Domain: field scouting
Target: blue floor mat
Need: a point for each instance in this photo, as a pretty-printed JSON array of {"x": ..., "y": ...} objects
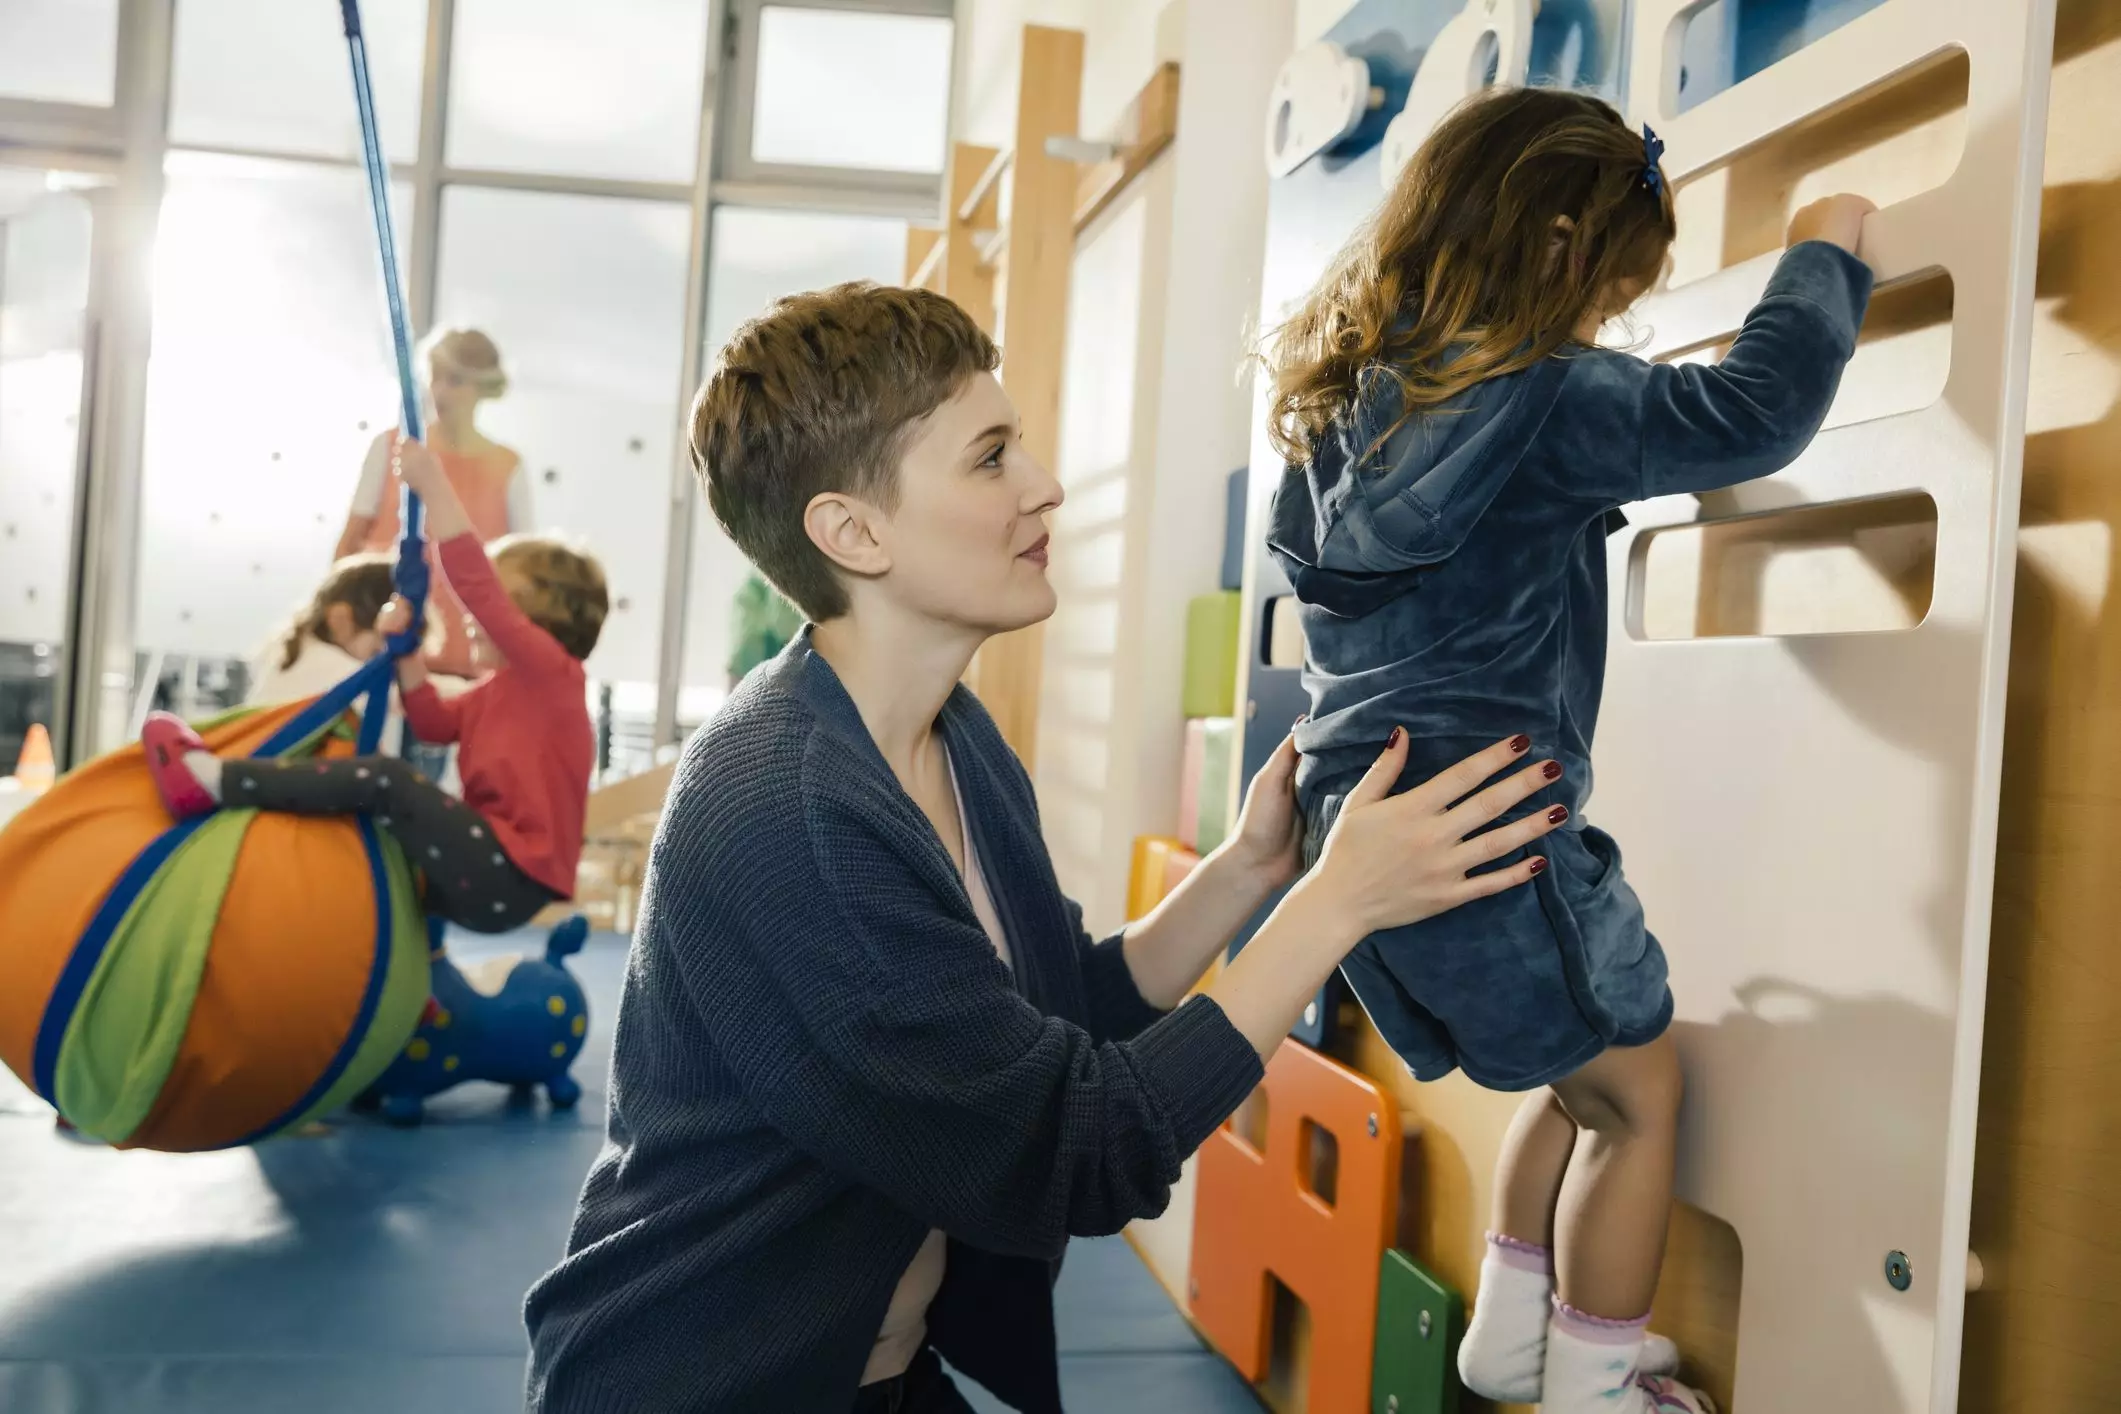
[{"x": 381, "y": 1269}]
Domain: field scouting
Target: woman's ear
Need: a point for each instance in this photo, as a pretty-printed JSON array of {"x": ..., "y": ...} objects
[{"x": 845, "y": 532}]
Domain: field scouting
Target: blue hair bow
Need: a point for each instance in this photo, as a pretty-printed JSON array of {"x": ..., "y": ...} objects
[{"x": 1652, "y": 150}]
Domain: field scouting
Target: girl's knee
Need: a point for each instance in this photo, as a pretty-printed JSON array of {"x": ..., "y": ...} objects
[{"x": 1629, "y": 1091}]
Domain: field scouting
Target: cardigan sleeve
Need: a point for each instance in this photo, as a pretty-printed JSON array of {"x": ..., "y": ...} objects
[
  {"x": 879, "y": 1033},
  {"x": 1117, "y": 1010}
]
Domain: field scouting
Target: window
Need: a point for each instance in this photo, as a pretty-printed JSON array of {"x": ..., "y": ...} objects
[
  {"x": 585, "y": 297},
  {"x": 44, "y": 259},
  {"x": 270, "y": 374},
  {"x": 274, "y": 76},
  {"x": 606, "y": 90},
  {"x": 61, "y": 51},
  {"x": 849, "y": 88},
  {"x": 757, "y": 257}
]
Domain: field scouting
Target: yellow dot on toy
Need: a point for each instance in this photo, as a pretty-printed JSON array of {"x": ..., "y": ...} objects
[
  {"x": 556, "y": 1005},
  {"x": 559, "y": 1049},
  {"x": 441, "y": 1019},
  {"x": 581, "y": 1024},
  {"x": 449, "y": 1062},
  {"x": 417, "y": 1050}
]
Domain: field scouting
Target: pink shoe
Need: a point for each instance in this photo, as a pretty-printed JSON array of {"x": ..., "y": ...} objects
[{"x": 166, "y": 739}]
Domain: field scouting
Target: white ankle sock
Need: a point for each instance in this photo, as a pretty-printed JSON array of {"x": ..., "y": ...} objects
[
  {"x": 1594, "y": 1366},
  {"x": 205, "y": 768},
  {"x": 1505, "y": 1348}
]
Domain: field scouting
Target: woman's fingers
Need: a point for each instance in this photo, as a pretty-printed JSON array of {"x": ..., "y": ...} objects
[
  {"x": 1501, "y": 798},
  {"x": 1501, "y": 880},
  {"x": 1383, "y": 774},
  {"x": 1436, "y": 794},
  {"x": 1508, "y": 839}
]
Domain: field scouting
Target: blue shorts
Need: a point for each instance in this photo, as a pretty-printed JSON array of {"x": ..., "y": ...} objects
[{"x": 1521, "y": 989}]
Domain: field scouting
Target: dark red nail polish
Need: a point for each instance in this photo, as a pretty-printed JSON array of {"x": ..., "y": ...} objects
[
  {"x": 1558, "y": 814},
  {"x": 1552, "y": 770},
  {"x": 1539, "y": 866},
  {"x": 1520, "y": 744},
  {"x": 1398, "y": 734}
]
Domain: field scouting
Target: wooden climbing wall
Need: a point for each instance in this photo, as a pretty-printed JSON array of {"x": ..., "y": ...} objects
[{"x": 2037, "y": 1335}]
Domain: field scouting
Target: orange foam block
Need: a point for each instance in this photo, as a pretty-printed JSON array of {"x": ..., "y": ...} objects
[
  {"x": 1256, "y": 1217},
  {"x": 1160, "y": 865}
]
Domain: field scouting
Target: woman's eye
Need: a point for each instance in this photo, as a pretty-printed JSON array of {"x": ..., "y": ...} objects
[{"x": 994, "y": 456}]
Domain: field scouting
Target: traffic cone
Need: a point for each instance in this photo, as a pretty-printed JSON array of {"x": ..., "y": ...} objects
[{"x": 33, "y": 768}]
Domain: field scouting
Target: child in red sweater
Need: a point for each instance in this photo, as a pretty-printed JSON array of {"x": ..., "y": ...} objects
[{"x": 525, "y": 746}]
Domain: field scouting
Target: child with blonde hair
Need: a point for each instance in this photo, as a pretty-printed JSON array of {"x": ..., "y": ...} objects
[{"x": 1458, "y": 444}]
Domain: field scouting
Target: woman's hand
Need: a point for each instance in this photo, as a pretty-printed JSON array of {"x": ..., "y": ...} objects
[
  {"x": 395, "y": 618},
  {"x": 1837, "y": 220},
  {"x": 422, "y": 470},
  {"x": 1394, "y": 860},
  {"x": 420, "y": 467},
  {"x": 1269, "y": 839}
]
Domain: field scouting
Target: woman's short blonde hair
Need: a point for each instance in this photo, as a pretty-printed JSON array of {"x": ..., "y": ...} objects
[
  {"x": 563, "y": 590},
  {"x": 469, "y": 354}
]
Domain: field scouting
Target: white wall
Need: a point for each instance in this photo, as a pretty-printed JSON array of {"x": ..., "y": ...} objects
[
  {"x": 1120, "y": 49},
  {"x": 1155, "y": 415},
  {"x": 1315, "y": 17}
]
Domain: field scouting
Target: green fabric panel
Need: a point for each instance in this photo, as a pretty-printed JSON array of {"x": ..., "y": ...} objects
[
  {"x": 125, "y": 1034},
  {"x": 1212, "y": 633},
  {"x": 406, "y": 987}
]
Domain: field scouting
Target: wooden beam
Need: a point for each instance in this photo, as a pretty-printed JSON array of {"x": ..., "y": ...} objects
[
  {"x": 1033, "y": 323},
  {"x": 1145, "y": 129},
  {"x": 990, "y": 176},
  {"x": 922, "y": 243},
  {"x": 971, "y": 210}
]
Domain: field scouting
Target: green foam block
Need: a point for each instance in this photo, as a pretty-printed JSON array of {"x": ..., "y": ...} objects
[
  {"x": 1419, "y": 1322},
  {"x": 1212, "y": 635}
]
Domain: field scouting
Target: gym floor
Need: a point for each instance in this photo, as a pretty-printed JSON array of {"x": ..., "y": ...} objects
[{"x": 374, "y": 1268}]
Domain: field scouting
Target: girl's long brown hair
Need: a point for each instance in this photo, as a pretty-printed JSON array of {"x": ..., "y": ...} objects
[
  {"x": 1469, "y": 269},
  {"x": 360, "y": 582}
]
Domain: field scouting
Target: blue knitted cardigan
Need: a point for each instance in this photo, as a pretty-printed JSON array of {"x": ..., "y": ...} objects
[{"x": 819, "y": 1057}]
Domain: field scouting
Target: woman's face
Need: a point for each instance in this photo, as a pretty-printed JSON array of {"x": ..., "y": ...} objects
[
  {"x": 452, "y": 392},
  {"x": 966, "y": 544}
]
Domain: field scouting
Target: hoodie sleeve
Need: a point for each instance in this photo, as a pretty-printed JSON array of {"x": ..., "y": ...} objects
[{"x": 1693, "y": 428}]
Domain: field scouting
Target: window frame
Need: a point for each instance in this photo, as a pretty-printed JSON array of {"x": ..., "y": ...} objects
[{"x": 742, "y": 179}]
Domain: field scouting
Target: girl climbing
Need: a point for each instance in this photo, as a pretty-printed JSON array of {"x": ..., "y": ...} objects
[
  {"x": 525, "y": 745},
  {"x": 1458, "y": 446}
]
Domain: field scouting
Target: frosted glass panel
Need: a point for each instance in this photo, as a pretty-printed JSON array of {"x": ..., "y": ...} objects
[
  {"x": 840, "y": 88},
  {"x": 757, "y": 257},
  {"x": 273, "y": 75},
  {"x": 604, "y": 90},
  {"x": 62, "y": 51},
  {"x": 44, "y": 258},
  {"x": 271, "y": 372},
  {"x": 586, "y": 298}
]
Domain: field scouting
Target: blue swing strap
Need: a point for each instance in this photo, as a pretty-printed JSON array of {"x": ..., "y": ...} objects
[{"x": 373, "y": 680}]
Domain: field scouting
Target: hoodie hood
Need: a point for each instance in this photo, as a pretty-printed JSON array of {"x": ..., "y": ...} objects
[{"x": 1353, "y": 534}]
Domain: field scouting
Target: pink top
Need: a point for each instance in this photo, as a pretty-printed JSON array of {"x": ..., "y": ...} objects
[
  {"x": 483, "y": 487},
  {"x": 525, "y": 746}
]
